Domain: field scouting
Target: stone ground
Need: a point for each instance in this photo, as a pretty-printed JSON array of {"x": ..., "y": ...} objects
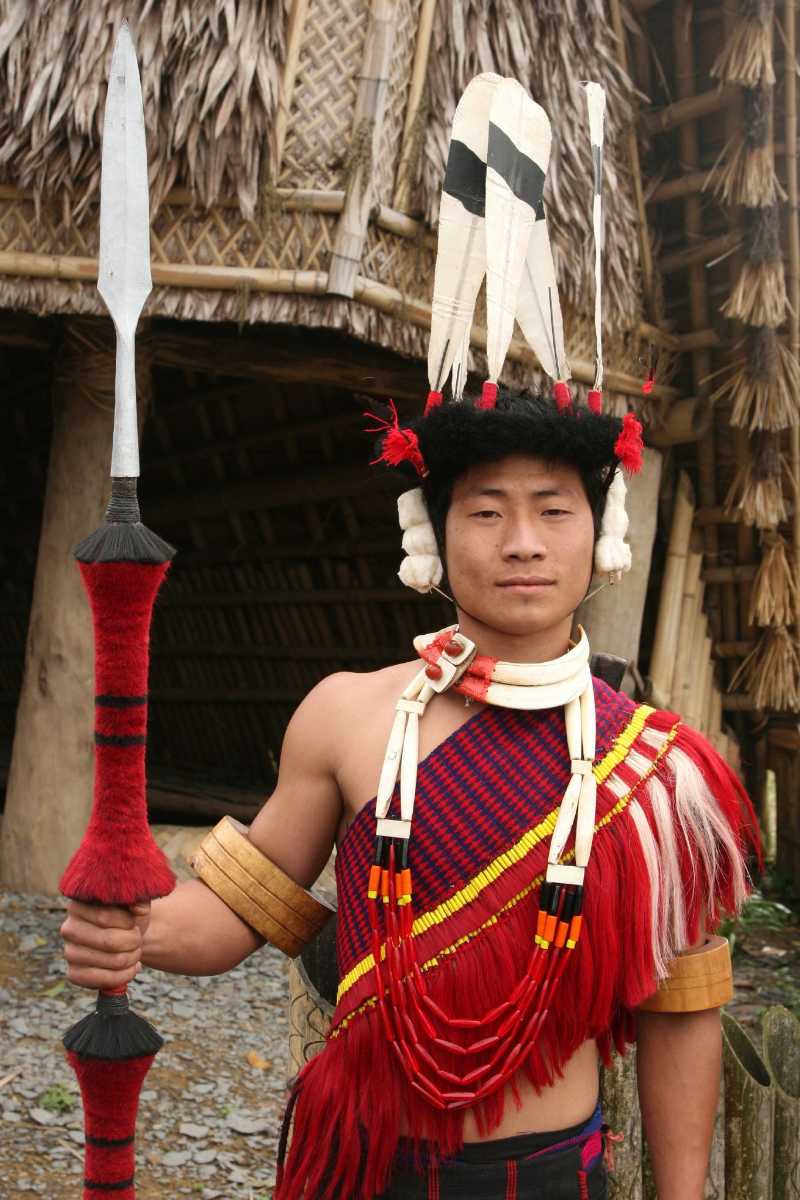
[{"x": 213, "y": 1101}]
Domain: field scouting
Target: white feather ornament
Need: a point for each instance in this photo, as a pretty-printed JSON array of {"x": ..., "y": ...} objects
[
  {"x": 596, "y": 102},
  {"x": 461, "y": 248},
  {"x": 538, "y": 305},
  {"x": 516, "y": 164},
  {"x": 612, "y": 554}
]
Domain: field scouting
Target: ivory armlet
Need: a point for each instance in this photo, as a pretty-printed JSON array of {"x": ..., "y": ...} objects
[
  {"x": 258, "y": 891},
  {"x": 697, "y": 981}
]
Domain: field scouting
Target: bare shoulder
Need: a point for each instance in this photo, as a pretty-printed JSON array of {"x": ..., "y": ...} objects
[{"x": 341, "y": 695}]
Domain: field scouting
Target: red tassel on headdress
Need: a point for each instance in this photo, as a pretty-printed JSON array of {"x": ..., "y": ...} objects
[
  {"x": 399, "y": 445},
  {"x": 595, "y": 400},
  {"x": 433, "y": 401},
  {"x": 562, "y": 396},
  {"x": 488, "y": 395},
  {"x": 629, "y": 445}
]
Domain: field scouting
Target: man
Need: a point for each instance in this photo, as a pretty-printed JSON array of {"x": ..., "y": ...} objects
[{"x": 472, "y": 1009}]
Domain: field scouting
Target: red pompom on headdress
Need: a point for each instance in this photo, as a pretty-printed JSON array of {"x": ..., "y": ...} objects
[
  {"x": 595, "y": 401},
  {"x": 629, "y": 445},
  {"x": 433, "y": 401},
  {"x": 488, "y": 397},
  {"x": 562, "y": 395},
  {"x": 399, "y": 445}
]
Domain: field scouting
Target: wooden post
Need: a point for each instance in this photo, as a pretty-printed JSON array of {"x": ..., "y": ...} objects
[
  {"x": 50, "y": 778},
  {"x": 665, "y": 645},
  {"x": 793, "y": 265},
  {"x": 782, "y": 1056},
  {"x": 411, "y": 132},
  {"x": 613, "y": 618},
  {"x": 620, "y": 1101},
  {"x": 690, "y": 612},
  {"x": 364, "y": 145},
  {"x": 748, "y": 1116}
]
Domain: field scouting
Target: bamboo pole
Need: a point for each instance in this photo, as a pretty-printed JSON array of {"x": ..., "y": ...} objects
[
  {"x": 691, "y": 711},
  {"x": 793, "y": 271},
  {"x": 416, "y": 89},
  {"x": 310, "y": 283},
  {"x": 294, "y": 41},
  {"x": 699, "y": 254},
  {"x": 662, "y": 661},
  {"x": 684, "y": 421},
  {"x": 687, "y": 108},
  {"x": 782, "y": 1057},
  {"x": 690, "y": 184},
  {"x": 748, "y": 1116},
  {"x": 351, "y": 231},
  {"x": 689, "y": 615}
]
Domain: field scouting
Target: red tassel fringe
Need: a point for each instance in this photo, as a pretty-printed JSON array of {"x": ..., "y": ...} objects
[
  {"x": 488, "y": 395},
  {"x": 595, "y": 401},
  {"x": 399, "y": 445},
  {"x": 352, "y": 1096},
  {"x": 629, "y": 446}
]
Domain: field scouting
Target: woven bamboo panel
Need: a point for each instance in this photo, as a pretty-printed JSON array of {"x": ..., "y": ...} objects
[
  {"x": 220, "y": 237},
  {"x": 321, "y": 116},
  {"x": 398, "y": 262},
  {"x": 23, "y": 231},
  {"x": 404, "y": 41}
]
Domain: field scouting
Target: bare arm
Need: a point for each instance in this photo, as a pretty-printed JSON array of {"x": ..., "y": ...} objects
[
  {"x": 678, "y": 1060},
  {"x": 191, "y": 931}
]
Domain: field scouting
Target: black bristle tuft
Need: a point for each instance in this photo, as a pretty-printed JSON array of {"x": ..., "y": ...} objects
[
  {"x": 112, "y": 1032},
  {"x": 122, "y": 537}
]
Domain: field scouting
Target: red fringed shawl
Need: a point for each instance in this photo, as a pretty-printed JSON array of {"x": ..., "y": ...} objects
[{"x": 673, "y": 827}]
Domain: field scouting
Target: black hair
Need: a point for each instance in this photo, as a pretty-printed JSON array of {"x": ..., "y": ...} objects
[{"x": 457, "y": 436}]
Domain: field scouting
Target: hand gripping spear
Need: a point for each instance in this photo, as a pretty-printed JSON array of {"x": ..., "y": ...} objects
[{"x": 122, "y": 565}]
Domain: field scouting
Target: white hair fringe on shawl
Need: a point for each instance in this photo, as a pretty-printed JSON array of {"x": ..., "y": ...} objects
[{"x": 422, "y": 569}]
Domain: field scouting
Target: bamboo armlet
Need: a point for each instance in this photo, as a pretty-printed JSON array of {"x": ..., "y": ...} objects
[
  {"x": 697, "y": 981},
  {"x": 258, "y": 891}
]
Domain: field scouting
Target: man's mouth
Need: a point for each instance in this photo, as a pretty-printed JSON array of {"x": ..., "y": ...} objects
[{"x": 526, "y": 583}]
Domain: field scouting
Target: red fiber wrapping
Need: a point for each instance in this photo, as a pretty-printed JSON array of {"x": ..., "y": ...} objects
[{"x": 110, "y": 1092}]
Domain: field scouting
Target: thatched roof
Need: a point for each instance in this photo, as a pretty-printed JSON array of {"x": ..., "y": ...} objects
[{"x": 212, "y": 79}]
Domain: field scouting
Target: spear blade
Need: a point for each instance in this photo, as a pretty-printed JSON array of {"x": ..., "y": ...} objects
[{"x": 124, "y": 280}]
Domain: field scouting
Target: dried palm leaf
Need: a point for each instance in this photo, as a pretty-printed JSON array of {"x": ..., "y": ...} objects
[
  {"x": 746, "y": 57},
  {"x": 773, "y": 600},
  {"x": 748, "y": 176},
  {"x": 757, "y": 491},
  {"x": 763, "y": 385},
  {"x": 771, "y": 671},
  {"x": 759, "y": 295}
]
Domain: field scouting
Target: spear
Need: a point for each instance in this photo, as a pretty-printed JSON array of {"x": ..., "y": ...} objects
[{"x": 123, "y": 565}]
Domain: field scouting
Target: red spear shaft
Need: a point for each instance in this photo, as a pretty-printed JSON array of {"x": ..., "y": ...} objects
[{"x": 123, "y": 565}]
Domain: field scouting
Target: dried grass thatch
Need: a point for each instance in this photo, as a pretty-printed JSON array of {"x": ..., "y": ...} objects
[
  {"x": 748, "y": 175},
  {"x": 746, "y": 57},
  {"x": 773, "y": 600},
  {"x": 771, "y": 671},
  {"x": 549, "y": 46},
  {"x": 763, "y": 385},
  {"x": 757, "y": 491},
  {"x": 759, "y": 295},
  {"x": 210, "y": 76}
]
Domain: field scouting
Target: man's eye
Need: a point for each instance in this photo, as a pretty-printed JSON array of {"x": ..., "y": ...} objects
[
  {"x": 556, "y": 512},
  {"x": 486, "y": 512}
]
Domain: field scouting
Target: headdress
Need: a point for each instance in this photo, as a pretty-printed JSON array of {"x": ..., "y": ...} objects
[{"x": 493, "y": 227}]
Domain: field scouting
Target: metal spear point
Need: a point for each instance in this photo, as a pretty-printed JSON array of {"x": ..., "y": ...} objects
[{"x": 124, "y": 280}]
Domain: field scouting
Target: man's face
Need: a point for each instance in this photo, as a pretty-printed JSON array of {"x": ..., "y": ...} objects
[{"x": 519, "y": 542}]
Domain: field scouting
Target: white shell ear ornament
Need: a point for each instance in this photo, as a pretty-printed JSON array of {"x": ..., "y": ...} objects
[
  {"x": 612, "y": 554},
  {"x": 421, "y": 569}
]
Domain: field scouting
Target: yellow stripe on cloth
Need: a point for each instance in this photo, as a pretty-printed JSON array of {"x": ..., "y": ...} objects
[{"x": 509, "y": 858}]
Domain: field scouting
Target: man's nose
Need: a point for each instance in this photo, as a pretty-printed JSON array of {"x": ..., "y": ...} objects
[{"x": 524, "y": 541}]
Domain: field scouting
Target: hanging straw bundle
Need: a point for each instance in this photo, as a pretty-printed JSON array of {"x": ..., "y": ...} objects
[
  {"x": 749, "y": 175},
  {"x": 771, "y": 671},
  {"x": 757, "y": 490},
  {"x": 759, "y": 297},
  {"x": 773, "y": 600},
  {"x": 763, "y": 384},
  {"x": 746, "y": 57}
]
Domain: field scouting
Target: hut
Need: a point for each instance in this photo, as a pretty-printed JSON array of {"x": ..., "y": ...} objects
[{"x": 296, "y": 154}]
